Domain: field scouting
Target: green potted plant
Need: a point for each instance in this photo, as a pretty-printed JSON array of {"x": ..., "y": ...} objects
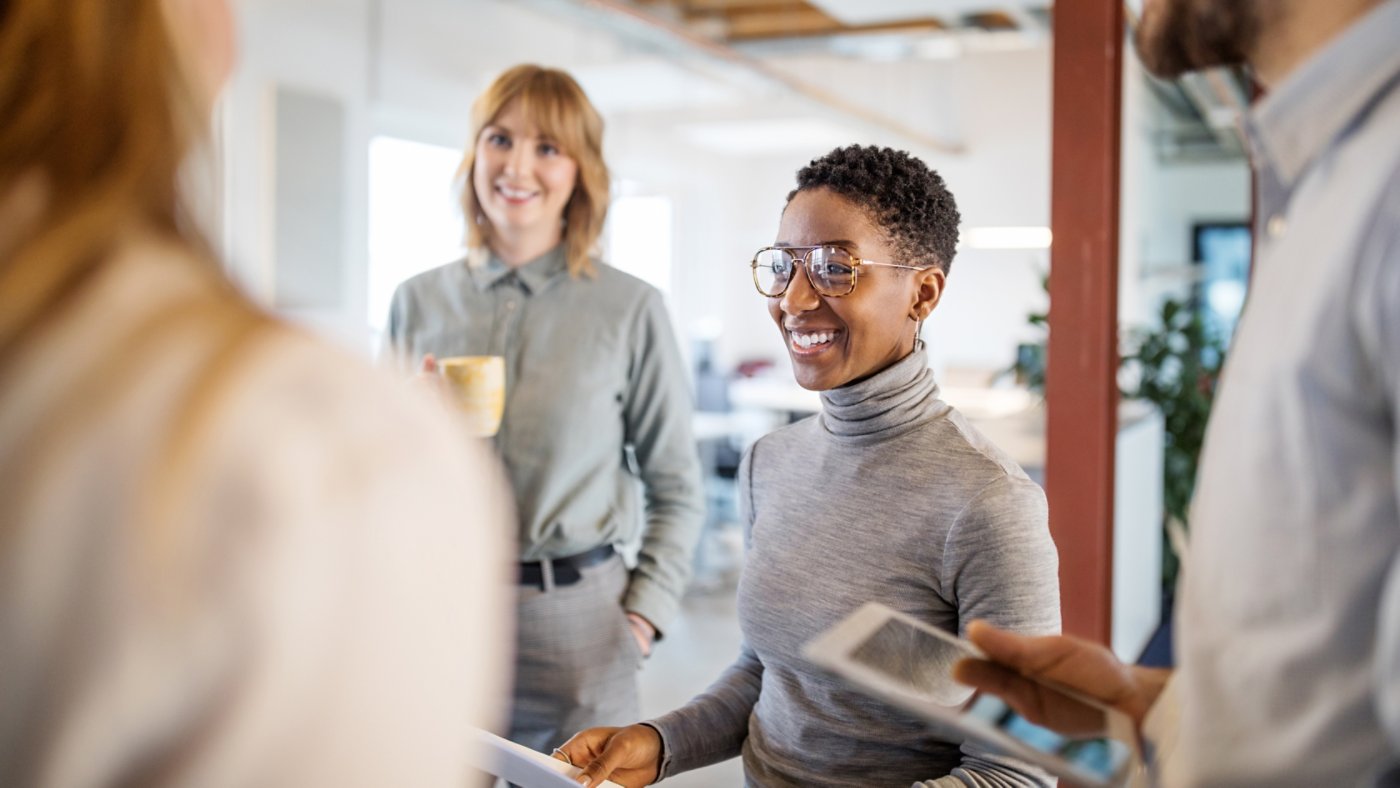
[{"x": 1175, "y": 365}]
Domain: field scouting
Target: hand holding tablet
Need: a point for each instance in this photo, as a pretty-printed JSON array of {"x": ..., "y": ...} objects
[
  {"x": 523, "y": 766},
  {"x": 910, "y": 664}
]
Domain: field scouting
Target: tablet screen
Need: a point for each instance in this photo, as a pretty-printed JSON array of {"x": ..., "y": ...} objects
[
  {"x": 922, "y": 662},
  {"x": 1098, "y": 755},
  {"x": 916, "y": 658}
]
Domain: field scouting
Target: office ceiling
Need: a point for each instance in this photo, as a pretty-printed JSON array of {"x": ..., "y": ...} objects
[{"x": 743, "y": 21}]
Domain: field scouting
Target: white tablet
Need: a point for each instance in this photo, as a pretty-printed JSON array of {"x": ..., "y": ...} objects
[
  {"x": 909, "y": 663},
  {"x": 523, "y": 766}
]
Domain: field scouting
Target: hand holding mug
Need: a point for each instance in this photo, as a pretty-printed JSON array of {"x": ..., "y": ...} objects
[{"x": 475, "y": 386}]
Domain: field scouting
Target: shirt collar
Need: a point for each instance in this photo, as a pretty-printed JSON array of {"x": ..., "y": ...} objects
[
  {"x": 487, "y": 270},
  {"x": 1327, "y": 95}
]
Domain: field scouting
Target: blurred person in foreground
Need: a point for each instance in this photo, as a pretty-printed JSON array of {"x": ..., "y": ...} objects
[
  {"x": 1288, "y": 617},
  {"x": 597, "y": 404},
  {"x": 229, "y": 555}
]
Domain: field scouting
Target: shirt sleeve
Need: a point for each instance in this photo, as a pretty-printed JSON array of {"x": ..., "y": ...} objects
[
  {"x": 712, "y": 727},
  {"x": 657, "y": 420},
  {"x": 1378, "y": 326},
  {"x": 1000, "y": 565}
]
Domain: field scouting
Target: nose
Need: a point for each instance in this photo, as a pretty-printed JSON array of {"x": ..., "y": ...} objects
[
  {"x": 800, "y": 296},
  {"x": 517, "y": 160}
]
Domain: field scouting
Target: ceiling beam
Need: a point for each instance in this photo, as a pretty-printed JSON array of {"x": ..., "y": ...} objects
[
  {"x": 742, "y": 29},
  {"x": 677, "y": 32},
  {"x": 721, "y": 6}
]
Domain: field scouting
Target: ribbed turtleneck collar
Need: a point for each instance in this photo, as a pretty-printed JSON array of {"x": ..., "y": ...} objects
[{"x": 885, "y": 405}]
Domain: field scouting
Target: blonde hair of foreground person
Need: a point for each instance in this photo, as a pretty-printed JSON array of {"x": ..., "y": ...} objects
[
  {"x": 229, "y": 555},
  {"x": 556, "y": 103}
]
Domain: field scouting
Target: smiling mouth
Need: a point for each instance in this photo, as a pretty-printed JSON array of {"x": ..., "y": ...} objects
[
  {"x": 810, "y": 343},
  {"x": 515, "y": 196}
]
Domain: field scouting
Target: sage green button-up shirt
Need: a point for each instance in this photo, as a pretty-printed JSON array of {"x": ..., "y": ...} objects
[{"x": 592, "y": 370}]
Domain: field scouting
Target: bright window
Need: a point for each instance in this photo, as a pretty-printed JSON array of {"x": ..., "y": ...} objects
[
  {"x": 639, "y": 239},
  {"x": 415, "y": 219}
]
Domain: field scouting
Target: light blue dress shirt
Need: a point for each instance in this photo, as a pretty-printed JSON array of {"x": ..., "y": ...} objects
[{"x": 1288, "y": 624}]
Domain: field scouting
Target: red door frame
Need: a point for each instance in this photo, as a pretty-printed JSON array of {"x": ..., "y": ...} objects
[{"x": 1082, "y": 357}]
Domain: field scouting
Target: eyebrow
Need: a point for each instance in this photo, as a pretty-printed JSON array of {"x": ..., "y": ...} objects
[
  {"x": 514, "y": 132},
  {"x": 846, "y": 242}
]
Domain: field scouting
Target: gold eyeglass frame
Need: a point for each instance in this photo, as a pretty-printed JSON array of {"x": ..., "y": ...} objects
[{"x": 856, "y": 264}]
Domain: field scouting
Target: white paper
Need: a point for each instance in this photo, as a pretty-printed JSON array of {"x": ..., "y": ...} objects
[{"x": 523, "y": 766}]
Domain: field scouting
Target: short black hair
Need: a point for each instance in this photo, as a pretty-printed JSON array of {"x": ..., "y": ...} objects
[{"x": 900, "y": 193}]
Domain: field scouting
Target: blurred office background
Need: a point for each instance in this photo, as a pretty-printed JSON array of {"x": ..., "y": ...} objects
[{"x": 341, "y": 132}]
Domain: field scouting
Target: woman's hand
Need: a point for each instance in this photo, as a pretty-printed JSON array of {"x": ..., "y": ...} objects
[
  {"x": 643, "y": 631},
  {"x": 628, "y": 756},
  {"x": 1069, "y": 662},
  {"x": 428, "y": 367},
  {"x": 427, "y": 377}
]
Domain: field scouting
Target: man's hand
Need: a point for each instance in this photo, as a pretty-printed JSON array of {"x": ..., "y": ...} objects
[
  {"x": 643, "y": 631},
  {"x": 1069, "y": 662},
  {"x": 630, "y": 757}
]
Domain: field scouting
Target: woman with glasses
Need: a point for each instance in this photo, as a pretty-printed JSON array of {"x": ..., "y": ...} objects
[
  {"x": 593, "y": 374},
  {"x": 888, "y": 495},
  {"x": 225, "y": 555}
]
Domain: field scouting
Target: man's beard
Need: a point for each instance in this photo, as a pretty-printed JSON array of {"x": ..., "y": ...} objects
[{"x": 1176, "y": 36}]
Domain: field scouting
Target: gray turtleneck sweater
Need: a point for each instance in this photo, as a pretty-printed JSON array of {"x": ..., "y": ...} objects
[{"x": 887, "y": 495}]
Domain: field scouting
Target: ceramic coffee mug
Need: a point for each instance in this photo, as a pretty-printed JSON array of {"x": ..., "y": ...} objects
[{"x": 477, "y": 386}]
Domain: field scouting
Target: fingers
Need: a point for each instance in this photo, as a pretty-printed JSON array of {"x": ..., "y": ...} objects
[
  {"x": 584, "y": 745},
  {"x": 631, "y": 756},
  {"x": 1038, "y": 703},
  {"x": 596, "y": 772},
  {"x": 999, "y": 645},
  {"x": 643, "y": 632},
  {"x": 1019, "y": 692},
  {"x": 1062, "y": 658}
]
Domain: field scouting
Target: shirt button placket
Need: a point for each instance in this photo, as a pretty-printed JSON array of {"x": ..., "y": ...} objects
[
  {"x": 503, "y": 331},
  {"x": 511, "y": 310}
]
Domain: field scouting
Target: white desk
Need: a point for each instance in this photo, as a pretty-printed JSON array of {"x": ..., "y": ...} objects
[{"x": 773, "y": 393}]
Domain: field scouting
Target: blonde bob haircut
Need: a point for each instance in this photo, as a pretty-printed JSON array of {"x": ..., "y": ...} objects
[{"x": 558, "y": 106}]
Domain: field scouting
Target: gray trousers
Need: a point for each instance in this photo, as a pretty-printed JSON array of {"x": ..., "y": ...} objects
[{"x": 576, "y": 659}]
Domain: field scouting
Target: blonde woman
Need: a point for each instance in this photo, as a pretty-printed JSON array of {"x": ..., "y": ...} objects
[
  {"x": 593, "y": 373},
  {"x": 223, "y": 558}
]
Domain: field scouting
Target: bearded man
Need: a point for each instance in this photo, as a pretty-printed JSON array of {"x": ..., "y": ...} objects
[{"x": 1288, "y": 614}]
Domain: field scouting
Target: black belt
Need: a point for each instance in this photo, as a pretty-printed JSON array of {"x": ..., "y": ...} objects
[{"x": 562, "y": 571}]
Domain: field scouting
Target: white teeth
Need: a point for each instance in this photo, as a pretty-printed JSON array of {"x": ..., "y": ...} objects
[
  {"x": 812, "y": 339},
  {"x": 515, "y": 194}
]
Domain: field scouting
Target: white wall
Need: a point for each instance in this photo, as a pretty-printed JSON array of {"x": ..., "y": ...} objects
[
  {"x": 315, "y": 46},
  {"x": 1160, "y": 200},
  {"x": 415, "y": 72},
  {"x": 1001, "y": 103}
]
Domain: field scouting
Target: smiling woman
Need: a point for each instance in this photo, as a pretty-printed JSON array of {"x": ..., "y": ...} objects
[
  {"x": 887, "y": 495},
  {"x": 591, "y": 370},
  {"x": 535, "y": 172}
]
